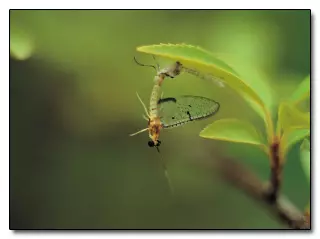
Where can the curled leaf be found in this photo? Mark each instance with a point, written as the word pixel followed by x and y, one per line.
pixel 302 91
pixel 290 117
pixel 290 138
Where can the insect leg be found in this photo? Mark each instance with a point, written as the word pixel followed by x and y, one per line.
pixel 145 117
pixel 140 131
pixel 144 106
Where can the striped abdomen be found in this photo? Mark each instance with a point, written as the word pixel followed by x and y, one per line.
pixel 155 96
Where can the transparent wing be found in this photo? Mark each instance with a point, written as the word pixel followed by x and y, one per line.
pixel 176 111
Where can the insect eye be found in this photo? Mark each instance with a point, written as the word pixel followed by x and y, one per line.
pixel 158 143
pixel 151 143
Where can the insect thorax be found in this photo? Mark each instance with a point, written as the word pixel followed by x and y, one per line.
pixel 171 71
pixel 155 127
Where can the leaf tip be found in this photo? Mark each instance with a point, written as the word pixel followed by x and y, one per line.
pixel 305 145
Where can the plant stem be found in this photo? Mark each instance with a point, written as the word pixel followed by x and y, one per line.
pixel 244 179
pixel 276 170
pixel 269 125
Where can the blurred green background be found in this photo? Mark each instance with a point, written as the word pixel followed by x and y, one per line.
pixel 73 105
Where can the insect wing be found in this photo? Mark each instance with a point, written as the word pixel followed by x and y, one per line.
pixel 183 109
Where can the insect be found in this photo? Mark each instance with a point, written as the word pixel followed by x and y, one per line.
pixel 217 80
pixel 152 116
pixel 184 109
pixel 172 112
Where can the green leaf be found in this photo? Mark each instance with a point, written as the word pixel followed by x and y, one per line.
pixel 290 138
pixel 303 90
pixel 305 157
pixel 233 130
pixel 265 115
pixel 290 117
pixel 187 52
pixel 204 62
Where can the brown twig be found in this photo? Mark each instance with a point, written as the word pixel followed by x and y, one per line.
pixel 276 171
pixel 281 207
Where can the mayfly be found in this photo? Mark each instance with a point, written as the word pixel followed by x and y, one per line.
pixel 153 117
pixel 171 112
pixel 205 76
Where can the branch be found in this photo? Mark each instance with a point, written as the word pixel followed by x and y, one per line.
pixel 280 207
pixel 276 171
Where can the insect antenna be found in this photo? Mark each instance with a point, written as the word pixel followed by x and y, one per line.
pixel 157 64
pixel 140 64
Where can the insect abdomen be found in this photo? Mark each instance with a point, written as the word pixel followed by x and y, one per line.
pixel 155 95
pixel 203 76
